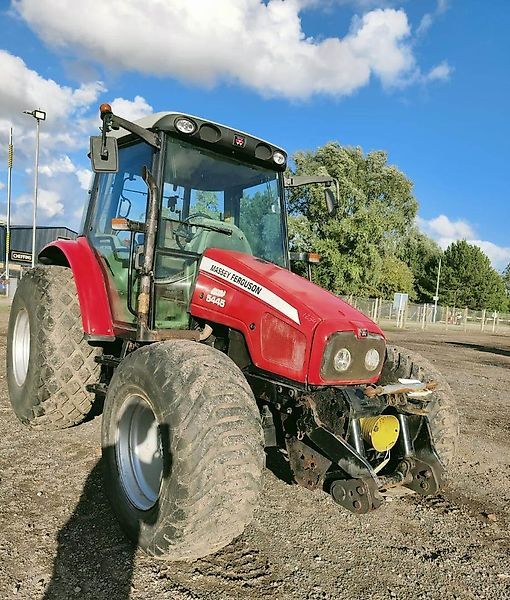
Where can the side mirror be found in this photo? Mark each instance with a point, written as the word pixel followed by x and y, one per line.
pixel 104 159
pixel 329 195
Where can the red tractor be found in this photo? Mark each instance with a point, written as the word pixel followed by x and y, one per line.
pixel 177 308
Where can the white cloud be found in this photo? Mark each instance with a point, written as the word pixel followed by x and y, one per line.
pixel 49 204
pixel 72 115
pixel 428 18
pixel 27 90
pixel 259 44
pixel 85 178
pixel 446 231
pixel 56 166
pixel 63 166
pixel 440 72
pixel 131 109
pixel 443 228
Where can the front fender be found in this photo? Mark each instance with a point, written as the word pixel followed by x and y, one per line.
pixel 94 304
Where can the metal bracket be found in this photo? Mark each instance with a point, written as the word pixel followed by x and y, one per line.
pixel 357 495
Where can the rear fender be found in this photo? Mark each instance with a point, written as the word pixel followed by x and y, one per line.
pixel 94 304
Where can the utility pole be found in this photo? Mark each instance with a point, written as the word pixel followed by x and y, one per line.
pixel 10 156
pixel 436 297
pixel 39 115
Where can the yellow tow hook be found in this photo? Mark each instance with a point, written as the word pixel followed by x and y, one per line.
pixel 381 431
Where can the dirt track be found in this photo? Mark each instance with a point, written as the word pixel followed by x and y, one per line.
pixel 59 539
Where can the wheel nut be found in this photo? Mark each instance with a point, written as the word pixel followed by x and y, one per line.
pixel 356 504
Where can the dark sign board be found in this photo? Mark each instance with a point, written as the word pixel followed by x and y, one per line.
pixel 20 256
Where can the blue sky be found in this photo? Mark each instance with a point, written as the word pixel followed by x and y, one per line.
pixel 425 80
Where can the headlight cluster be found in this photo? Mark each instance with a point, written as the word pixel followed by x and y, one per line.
pixel 347 358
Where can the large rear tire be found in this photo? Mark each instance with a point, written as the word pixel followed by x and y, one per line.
pixel 182 449
pixel 442 411
pixel 49 363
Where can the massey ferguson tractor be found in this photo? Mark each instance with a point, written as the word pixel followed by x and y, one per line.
pixel 176 307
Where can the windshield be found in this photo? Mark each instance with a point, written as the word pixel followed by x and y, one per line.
pixel 211 201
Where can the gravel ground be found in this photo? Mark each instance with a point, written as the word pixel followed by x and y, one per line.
pixel 59 539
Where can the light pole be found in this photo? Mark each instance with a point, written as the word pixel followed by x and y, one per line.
pixel 10 156
pixel 39 115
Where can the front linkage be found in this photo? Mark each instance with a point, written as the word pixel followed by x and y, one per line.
pixel 355 442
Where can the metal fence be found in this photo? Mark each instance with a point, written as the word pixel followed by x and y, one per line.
pixel 421 316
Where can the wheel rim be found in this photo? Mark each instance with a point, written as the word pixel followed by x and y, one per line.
pixel 21 347
pixel 139 452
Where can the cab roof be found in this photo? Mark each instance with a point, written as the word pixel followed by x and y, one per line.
pixel 212 135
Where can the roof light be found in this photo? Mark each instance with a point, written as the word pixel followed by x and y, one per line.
pixel 279 158
pixel 185 125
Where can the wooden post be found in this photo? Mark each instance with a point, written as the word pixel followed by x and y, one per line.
pixel 424 312
pixel 465 318
pixel 483 320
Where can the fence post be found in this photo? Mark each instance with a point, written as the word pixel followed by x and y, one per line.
pixel 483 320
pixel 447 316
pixel 494 317
pixel 465 318
pixel 423 313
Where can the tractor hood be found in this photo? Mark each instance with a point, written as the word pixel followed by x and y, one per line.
pixel 287 321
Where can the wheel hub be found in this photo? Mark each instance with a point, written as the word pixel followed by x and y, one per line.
pixel 139 452
pixel 21 347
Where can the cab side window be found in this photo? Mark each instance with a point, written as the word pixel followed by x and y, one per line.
pixel 121 194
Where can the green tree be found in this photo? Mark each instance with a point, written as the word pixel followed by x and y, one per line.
pixel 396 276
pixel 506 279
pixel 206 203
pixel 375 209
pixel 421 255
pixel 468 279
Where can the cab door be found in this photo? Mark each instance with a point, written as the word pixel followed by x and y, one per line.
pixel 121 194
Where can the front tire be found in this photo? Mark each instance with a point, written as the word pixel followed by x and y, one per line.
pixel 442 410
pixel 182 449
pixel 49 363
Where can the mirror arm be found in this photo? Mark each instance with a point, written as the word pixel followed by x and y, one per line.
pixel 111 121
pixel 299 180
pixel 147 136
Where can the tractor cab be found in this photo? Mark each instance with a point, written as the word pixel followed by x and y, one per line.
pixel 216 188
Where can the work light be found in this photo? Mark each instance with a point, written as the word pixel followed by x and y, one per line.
pixel 185 125
pixel 279 158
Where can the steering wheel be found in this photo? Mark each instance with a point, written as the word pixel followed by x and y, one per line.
pixel 183 231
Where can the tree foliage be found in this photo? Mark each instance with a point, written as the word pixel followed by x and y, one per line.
pixel 360 246
pixel 469 280
pixel 506 279
pixel 372 246
pixel 421 255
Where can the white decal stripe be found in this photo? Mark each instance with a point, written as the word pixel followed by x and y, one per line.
pixel 250 286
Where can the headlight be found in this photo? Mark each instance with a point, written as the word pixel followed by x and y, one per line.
pixel 372 359
pixel 342 360
pixel 185 125
pixel 349 358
